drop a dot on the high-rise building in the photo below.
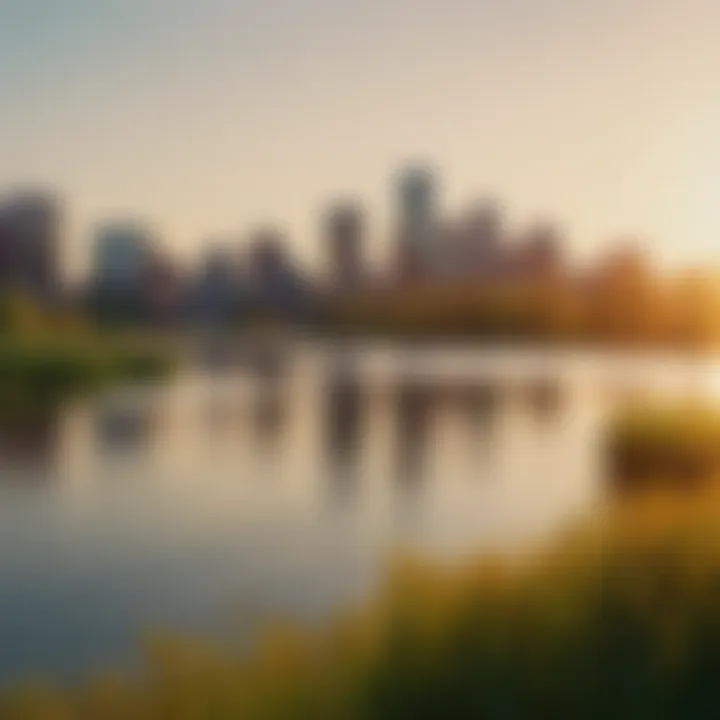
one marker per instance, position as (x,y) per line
(418,211)
(220,265)
(122,258)
(483,241)
(30,228)
(275,281)
(267,261)
(345,229)
(8,252)
(122,252)
(451,258)
(409,264)
(164,288)
(218,286)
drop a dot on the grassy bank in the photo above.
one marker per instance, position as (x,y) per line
(619,620)
(48,354)
(41,371)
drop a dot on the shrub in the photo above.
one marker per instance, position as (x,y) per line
(47,371)
(664,445)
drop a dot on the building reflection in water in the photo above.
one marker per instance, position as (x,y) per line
(29,442)
(345,407)
(545,398)
(269,409)
(219,411)
(267,362)
(125,425)
(482,403)
(415,405)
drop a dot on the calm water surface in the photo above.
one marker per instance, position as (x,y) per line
(221,500)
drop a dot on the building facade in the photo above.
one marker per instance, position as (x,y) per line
(345,231)
(30,235)
(123,252)
(418,221)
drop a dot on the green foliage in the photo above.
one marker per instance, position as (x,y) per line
(37,372)
(47,354)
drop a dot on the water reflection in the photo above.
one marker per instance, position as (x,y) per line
(266,361)
(219,412)
(126,424)
(545,398)
(29,441)
(269,410)
(345,399)
(415,406)
(198,529)
(482,403)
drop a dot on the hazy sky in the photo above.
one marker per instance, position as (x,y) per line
(209,116)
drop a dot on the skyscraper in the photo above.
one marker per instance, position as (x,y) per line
(418,212)
(276,282)
(122,252)
(267,261)
(30,241)
(345,228)
(122,257)
(165,288)
(483,251)
(218,286)
(451,259)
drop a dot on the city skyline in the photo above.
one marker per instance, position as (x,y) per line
(435,239)
(207,118)
(423,236)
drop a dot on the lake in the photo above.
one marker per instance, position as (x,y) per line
(220,500)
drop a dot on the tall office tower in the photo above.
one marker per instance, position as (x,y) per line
(483,241)
(267,261)
(220,264)
(8,252)
(164,287)
(345,230)
(122,252)
(418,212)
(275,280)
(122,257)
(451,259)
(218,285)
(30,228)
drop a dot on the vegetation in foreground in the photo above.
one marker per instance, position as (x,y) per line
(619,620)
(46,357)
(38,372)
(664,446)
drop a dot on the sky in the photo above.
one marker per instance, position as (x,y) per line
(209,117)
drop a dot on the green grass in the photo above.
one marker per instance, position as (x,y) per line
(34,372)
(619,620)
